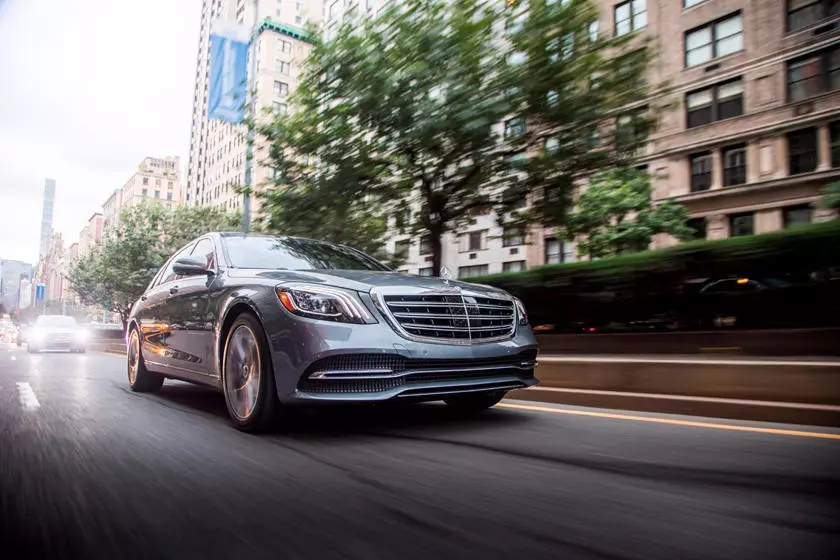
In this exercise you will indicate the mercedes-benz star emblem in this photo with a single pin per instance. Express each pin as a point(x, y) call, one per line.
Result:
point(445, 274)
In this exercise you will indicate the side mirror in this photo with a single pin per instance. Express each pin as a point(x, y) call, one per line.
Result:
point(191, 266)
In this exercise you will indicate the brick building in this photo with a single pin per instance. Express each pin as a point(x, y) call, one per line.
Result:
point(754, 132)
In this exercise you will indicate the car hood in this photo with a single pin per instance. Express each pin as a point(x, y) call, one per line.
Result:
point(359, 280)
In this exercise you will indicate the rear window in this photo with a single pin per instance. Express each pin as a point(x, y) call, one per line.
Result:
point(294, 253)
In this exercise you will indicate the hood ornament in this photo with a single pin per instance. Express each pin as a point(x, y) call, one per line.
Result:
point(445, 274)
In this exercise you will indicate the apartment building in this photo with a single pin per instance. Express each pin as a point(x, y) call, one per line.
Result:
point(755, 131)
point(90, 236)
point(217, 149)
point(156, 180)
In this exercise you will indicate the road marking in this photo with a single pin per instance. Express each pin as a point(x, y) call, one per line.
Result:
point(627, 360)
point(818, 435)
point(691, 398)
point(28, 400)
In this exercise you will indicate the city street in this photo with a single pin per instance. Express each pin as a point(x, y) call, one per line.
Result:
point(89, 469)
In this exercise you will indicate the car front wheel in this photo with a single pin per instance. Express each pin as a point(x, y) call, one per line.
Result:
point(247, 376)
point(140, 379)
point(474, 402)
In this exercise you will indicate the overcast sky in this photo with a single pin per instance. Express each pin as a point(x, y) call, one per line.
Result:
point(89, 88)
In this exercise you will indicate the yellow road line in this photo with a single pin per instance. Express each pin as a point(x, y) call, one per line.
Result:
point(818, 435)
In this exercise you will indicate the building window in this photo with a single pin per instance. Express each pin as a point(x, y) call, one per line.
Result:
point(551, 144)
point(475, 240)
point(797, 215)
point(169, 185)
point(802, 13)
point(514, 128)
point(157, 182)
point(472, 271)
point(741, 224)
point(734, 165)
point(169, 196)
point(401, 249)
point(280, 108)
point(802, 150)
point(701, 171)
point(553, 252)
point(834, 129)
point(145, 180)
point(628, 127)
point(813, 75)
point(157, 194)
point(690, 3)
point(425, 245)
point(298, 20)
point(145, 193)
point(719, 38)
point(513, 266)
point(281, 89)
point(716, 103)
point(284, 46)
point(512, 237)
point(630, 16)
point(425, 271)
point(283, 67)
point(697, 227)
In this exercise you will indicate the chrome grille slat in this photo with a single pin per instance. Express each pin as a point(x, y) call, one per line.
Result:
point(457, 317)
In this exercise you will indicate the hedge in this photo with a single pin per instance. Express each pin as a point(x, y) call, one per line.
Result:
point(797, 272)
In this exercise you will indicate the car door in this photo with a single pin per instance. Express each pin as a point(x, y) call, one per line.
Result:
point(153, 317)
point(191, 342)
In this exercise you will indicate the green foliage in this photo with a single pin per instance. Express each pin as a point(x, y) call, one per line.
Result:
point(410, 109)
point(831, 196)
point(117, 272)
point(615, 215)
point(655, 282)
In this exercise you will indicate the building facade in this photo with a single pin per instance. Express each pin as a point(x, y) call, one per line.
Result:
point(217, 149)
point(90, 236)
point(156, 180)
point(15, 277)
point(755, 133)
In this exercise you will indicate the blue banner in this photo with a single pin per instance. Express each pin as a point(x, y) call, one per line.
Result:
point(40, 290)
point(228, 79)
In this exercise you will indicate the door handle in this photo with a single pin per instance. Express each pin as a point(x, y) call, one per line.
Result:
point(173, 290)
point(143, 298)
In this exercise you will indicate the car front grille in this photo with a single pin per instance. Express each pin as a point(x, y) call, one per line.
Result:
point(373, 373)
point(459, 318)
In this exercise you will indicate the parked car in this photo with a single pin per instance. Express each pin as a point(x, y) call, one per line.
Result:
point(56, 332)
point(277, 321)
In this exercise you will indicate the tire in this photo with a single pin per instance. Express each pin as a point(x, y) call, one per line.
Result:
point(246, 355)
point(474, 402)
point(140, 380)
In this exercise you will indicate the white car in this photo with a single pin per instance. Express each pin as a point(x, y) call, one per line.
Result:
point(57, 332)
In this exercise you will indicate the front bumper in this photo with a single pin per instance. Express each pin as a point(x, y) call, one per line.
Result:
point(317, 361)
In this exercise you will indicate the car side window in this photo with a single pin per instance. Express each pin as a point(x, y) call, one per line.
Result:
point(169, 275)
point(207, 251)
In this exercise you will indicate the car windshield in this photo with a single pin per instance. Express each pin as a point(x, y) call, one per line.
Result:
point(294, 253)
point(62, 321)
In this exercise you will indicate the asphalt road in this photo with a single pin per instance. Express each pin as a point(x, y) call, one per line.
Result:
point(90, 470)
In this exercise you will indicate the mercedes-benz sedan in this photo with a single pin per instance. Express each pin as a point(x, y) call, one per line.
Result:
point(277, 321)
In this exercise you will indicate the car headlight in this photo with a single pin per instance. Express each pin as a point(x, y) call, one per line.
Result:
point(324, 303)
point(82, 334)
point(520, 311)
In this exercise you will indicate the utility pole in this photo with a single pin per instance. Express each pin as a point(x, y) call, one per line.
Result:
point(250, 116)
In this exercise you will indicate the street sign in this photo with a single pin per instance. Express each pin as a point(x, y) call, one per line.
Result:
point(228, 76)
point(40, 291)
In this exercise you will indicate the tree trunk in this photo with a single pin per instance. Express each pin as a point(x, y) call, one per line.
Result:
point(435, 235)
point(124, 319)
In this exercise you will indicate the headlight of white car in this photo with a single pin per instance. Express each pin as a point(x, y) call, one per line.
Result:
point(324, 303)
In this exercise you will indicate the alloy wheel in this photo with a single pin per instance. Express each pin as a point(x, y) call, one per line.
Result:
point(242, 371)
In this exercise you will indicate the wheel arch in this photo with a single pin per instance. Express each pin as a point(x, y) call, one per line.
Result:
point(233, 310)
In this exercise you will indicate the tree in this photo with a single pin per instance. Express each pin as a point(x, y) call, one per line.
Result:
point(117, 272)
point(615, 215)
point(831, 196)
point(412, 107)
